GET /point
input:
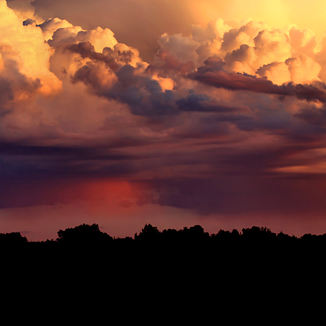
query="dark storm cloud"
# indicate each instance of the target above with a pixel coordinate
(109, 56)
(202, 103)
(313, 116)
(213, 75)
(6, 92)
(143, 94)
(234, 195)
(75, 152)
(24, 161)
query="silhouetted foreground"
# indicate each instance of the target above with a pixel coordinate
(185, 277)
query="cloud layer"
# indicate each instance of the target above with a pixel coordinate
(225, 118)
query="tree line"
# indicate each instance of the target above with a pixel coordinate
(163, 277)
(91, 234)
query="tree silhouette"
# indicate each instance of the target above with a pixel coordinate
(12, 239)
(194, 233)
(258, 234)
(83, 235)
(149, 233)
(227, 235)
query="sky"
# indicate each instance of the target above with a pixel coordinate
(173, 113)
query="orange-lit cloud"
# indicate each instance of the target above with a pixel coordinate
(221, 115)
(170, 17)
(24, 47)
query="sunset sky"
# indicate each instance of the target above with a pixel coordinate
(173, 113)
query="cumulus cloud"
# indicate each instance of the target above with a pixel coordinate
(131, 19)
(24, 47)
(218, 114)
(255, 49)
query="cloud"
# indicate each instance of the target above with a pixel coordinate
(128, 17)
(237, 81)
(169, 17)
(113, 57)
(24, 61)
(254, 49)
(225, 118)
